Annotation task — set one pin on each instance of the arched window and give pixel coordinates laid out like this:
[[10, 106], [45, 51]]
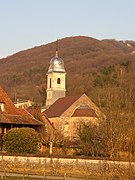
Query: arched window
[[58, 81], [50, 83]]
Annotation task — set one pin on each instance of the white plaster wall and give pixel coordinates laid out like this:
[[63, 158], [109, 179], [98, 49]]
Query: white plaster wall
[[92, 164]]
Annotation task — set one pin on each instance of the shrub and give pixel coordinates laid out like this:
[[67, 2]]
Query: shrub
[[21, 140]]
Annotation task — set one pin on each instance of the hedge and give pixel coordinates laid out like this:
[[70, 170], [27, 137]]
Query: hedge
[[21, 140]]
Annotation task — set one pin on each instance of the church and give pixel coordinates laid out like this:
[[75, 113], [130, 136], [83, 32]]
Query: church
[[67, 113]]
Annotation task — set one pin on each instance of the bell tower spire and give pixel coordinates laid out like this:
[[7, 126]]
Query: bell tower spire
[[56, 79]]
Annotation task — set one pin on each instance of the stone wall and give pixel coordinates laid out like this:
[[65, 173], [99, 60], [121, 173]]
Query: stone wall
[[59, 166]]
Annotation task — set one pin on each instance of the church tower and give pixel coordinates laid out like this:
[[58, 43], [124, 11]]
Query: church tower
[[56, 80]]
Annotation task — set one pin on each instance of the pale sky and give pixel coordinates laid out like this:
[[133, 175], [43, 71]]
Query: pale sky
[[28, 23]]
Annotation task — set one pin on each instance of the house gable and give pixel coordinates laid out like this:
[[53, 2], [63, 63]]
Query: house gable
[[91, 111], [60, 106], [9, 114]]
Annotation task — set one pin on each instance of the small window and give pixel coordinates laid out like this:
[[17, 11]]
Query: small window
[[2, 106], [50, 83], [58, 81]]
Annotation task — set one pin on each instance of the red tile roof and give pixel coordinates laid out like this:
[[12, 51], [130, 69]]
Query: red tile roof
[[84, 113], [14, 115], [8, 104], [60, 106], [18, 119], [37, 111]]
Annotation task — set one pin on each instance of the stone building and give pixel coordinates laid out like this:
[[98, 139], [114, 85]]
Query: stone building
[[67, 113], [24, 104]]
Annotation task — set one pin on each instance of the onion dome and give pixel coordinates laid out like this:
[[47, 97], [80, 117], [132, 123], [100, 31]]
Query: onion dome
[[56, 64]]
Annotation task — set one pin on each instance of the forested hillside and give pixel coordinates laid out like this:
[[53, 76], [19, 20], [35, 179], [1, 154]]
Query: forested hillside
[[92, 66]]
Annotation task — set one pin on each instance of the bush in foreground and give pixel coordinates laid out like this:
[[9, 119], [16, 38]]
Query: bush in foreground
[[21, 140]]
